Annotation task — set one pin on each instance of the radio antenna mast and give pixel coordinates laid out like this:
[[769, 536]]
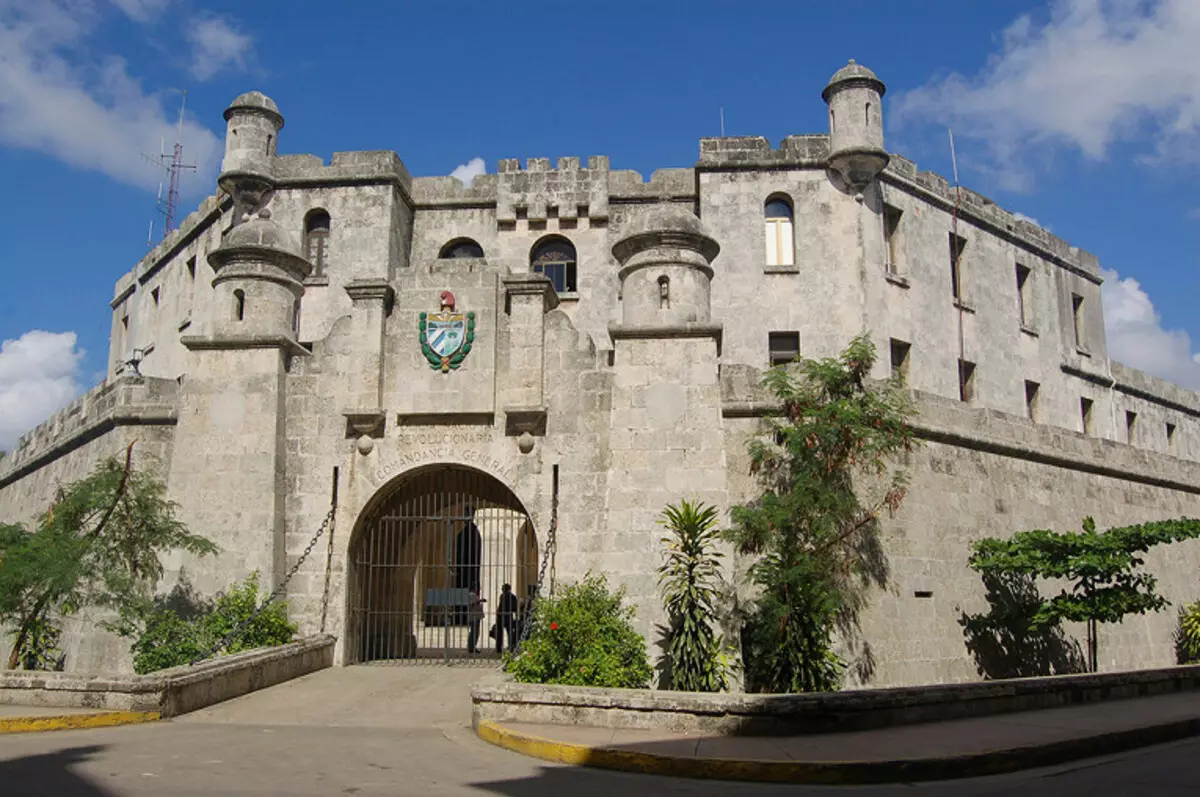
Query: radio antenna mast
[[173, 166]]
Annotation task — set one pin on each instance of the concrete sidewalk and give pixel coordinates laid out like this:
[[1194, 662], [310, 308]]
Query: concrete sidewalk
[[930, 751]]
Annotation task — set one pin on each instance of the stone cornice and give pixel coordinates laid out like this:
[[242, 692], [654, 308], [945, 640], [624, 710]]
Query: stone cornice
[[666, 332], [532, 285], [370, 290], [234, 342]]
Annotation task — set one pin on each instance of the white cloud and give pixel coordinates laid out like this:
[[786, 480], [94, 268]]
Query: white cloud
[[468, 171], [39, 374], [216, 46], [1095, 73], [1136, 337], [141, 10], [58, 99], [1194, 213], [1030, 219]]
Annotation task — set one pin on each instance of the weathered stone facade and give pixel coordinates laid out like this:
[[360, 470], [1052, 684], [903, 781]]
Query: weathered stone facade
[[278, 338]]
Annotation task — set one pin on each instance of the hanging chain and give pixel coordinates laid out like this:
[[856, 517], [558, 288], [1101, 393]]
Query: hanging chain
[[547, 557], [240, 627], [328, 569]]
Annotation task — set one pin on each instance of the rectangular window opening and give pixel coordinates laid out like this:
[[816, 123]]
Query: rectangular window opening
[[1130, 426], [1031, 400], [154, 296], [783, 347], [899, 358], [891, 226], [1085, 410], [966, 381], [1078, 316], [1023, 303], [1171, 437], [957, 245], [191, 269]]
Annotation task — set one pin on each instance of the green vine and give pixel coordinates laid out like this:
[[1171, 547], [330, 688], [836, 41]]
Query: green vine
[[445, 364]]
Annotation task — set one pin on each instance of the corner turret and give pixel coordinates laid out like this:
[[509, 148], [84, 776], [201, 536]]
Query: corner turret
[[259, 282], [666, 269], [252, 130], [855, 99]]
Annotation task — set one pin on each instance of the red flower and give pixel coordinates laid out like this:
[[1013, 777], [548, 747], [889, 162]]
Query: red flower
[[554, 626]]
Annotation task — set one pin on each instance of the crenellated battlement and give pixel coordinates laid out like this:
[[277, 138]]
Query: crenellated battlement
[[124, 396], [538, 191]]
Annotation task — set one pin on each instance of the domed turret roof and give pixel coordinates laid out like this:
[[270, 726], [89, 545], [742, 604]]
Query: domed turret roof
[[261, 231], [852, 71], [662, 223], [254, 100], [667, 218]]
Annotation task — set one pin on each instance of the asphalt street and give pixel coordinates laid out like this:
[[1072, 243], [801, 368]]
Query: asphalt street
[[406, 731]]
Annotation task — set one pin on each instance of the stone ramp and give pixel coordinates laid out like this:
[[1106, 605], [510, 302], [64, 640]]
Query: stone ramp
[[402, 696]]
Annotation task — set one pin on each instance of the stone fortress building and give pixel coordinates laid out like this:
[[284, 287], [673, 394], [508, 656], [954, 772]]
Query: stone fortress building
[[573, 345]]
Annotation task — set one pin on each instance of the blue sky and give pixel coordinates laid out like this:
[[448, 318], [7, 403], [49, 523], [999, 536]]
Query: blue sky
[[1081, 114]]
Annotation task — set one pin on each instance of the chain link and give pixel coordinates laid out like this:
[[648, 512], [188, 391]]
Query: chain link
[[237, 629], [547, 557]]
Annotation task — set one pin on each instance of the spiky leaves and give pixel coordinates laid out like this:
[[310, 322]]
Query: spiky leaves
[[688, 580]]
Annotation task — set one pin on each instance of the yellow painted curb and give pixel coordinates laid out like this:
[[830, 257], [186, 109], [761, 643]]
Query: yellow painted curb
[[67, 722], [967, 765], [652, 764]]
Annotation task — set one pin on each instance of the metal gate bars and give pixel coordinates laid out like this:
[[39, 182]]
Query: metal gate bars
[[442, 569]]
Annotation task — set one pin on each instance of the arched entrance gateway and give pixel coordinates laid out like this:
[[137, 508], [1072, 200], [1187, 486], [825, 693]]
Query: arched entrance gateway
[[417, 550]]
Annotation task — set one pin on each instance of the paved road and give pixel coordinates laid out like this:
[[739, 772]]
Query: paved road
[[405, 731]]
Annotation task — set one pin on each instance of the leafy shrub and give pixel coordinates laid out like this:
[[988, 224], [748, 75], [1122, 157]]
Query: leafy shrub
[[1187, 637], [583, 637], [170, 640]]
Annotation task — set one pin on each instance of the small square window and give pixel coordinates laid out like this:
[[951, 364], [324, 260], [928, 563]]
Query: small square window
[[1085, 410], [1031, 400], [784, 347], [899, 358], [966, 381]]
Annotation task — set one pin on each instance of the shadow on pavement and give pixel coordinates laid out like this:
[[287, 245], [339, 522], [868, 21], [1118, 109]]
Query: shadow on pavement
[[50, 775]]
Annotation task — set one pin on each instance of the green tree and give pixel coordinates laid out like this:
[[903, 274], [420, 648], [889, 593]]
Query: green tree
[[1187, 635], [1100, 566], [825, 479], [97, 546], [688, 579]]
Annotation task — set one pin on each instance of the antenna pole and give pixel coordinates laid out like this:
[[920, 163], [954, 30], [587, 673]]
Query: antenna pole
[[954, 256], [174, 167], [722, 123]]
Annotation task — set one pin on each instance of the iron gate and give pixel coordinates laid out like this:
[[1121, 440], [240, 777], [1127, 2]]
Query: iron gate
[[419, 554]]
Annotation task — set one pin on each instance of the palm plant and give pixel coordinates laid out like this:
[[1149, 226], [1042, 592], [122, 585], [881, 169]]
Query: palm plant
[[688, 579]]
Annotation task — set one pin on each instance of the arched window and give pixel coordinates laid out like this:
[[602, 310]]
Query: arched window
[[239, 304], [316, 240], [780, 243], [555, 257], [460, 248]]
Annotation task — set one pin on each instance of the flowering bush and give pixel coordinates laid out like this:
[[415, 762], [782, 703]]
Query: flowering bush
[[583, 637]]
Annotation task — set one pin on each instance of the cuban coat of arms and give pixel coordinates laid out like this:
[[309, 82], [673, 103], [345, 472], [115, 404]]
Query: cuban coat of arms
[[446, 336]]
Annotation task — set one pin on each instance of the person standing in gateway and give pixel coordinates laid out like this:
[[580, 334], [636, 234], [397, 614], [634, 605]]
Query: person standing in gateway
[[506, 618], [474, 618]]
